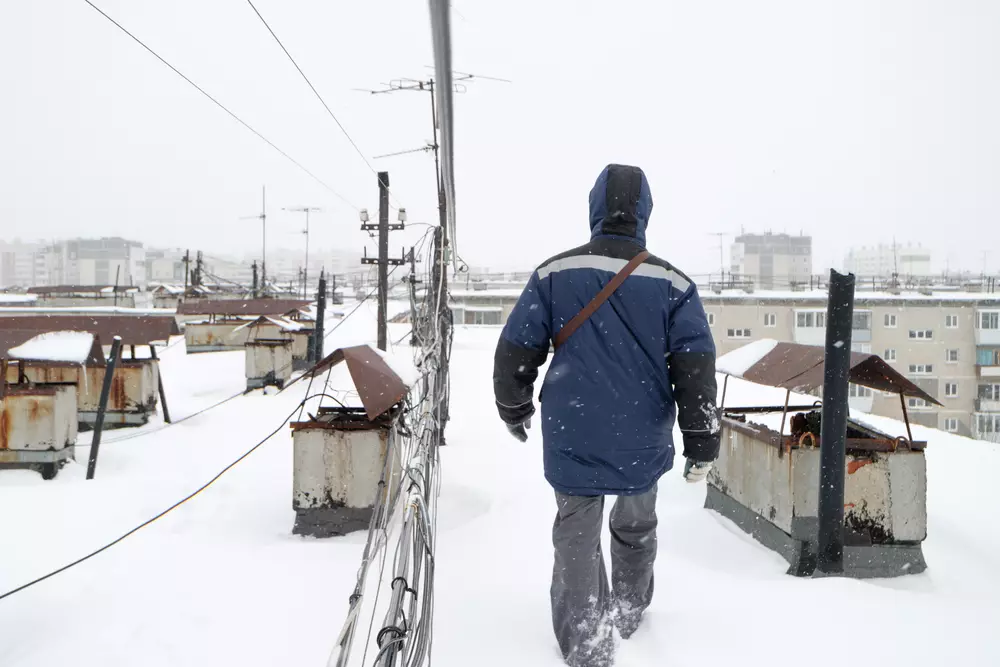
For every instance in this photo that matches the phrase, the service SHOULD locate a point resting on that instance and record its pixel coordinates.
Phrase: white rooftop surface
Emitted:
(221, 581)
(84, 310)
(860, 295)
(9, 299)
(58, 346)
(504, 293)
(740, 360)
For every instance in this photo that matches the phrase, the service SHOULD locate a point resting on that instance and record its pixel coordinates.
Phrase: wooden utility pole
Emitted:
(383, 261)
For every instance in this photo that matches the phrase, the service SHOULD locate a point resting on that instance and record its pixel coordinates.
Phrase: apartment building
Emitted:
(946, 343)
(772, 261)
(103, 261)
(883, 260)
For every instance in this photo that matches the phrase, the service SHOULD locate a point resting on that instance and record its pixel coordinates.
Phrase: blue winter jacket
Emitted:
(614, 389)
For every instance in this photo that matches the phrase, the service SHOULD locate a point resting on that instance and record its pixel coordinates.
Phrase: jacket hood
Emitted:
(620, 203)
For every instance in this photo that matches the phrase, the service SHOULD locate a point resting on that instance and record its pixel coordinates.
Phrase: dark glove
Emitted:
(696, 471)
(520, 431)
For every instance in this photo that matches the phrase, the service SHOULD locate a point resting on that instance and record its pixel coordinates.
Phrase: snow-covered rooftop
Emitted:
(277, 599)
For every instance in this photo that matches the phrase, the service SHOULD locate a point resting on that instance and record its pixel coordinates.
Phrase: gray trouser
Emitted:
(582, 604)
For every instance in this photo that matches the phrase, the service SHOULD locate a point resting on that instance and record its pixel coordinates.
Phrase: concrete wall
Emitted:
(884, 494)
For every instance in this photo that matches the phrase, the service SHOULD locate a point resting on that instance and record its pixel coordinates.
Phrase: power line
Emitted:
(312, 87)
(158, 516)
(222, 106)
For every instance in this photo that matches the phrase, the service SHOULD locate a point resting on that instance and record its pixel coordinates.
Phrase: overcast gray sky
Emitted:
(854, 121)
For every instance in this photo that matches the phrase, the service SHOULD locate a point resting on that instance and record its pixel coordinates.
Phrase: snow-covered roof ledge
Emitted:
(68, 347)
(740, 360)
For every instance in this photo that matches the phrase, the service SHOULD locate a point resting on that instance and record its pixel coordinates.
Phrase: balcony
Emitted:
(991, 371)
(987, 336)
(988, 327)
(986, 405)
(810, 327)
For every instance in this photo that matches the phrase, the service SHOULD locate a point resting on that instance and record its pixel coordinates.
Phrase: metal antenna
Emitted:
(305, 272)
(262, 216)
(428, 86)
(722, 261)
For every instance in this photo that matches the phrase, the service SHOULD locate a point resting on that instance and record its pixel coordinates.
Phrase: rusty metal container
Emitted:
(38, 427)
(215, 336)
(133, 397)
(338, 460)
(268, 362)
(769, 486)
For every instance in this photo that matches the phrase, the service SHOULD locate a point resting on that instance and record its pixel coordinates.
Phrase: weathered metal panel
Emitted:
(38, 418)
(244, 307)
(333, 468)
(215, 336)
(133, 329)
(800, 368)
(264, 359)
(379, 387)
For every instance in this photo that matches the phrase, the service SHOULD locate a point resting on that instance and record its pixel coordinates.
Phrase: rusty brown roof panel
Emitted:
(11, 338)
(234, 307)
(133, 329)
(377, 384)
(801, 367)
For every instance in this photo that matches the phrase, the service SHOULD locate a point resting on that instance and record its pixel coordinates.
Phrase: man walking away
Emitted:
(633, 351)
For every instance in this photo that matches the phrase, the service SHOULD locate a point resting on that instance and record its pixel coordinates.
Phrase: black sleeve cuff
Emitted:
(702, 447)
(516, 415)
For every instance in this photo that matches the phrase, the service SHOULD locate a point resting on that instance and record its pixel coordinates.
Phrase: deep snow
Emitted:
(221, 581)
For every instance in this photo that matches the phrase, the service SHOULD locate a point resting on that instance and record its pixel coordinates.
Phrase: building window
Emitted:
(921, 334)
(988, 424)
(921, 369)
(770, 320)
(862, 321)
(810, 320)
(989, 320)
(890, 354)
(986, 357)
(857, 391)
(738, 333)
(951, 389)
(951, 425)
(951, 356)
(989, 392)
(711, 319)
(890, 321)
(482, 318)
(918, 404)
(951, 321)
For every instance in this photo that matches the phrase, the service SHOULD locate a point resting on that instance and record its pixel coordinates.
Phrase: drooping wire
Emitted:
(312, 88)
(222, 106)
(158, 516)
